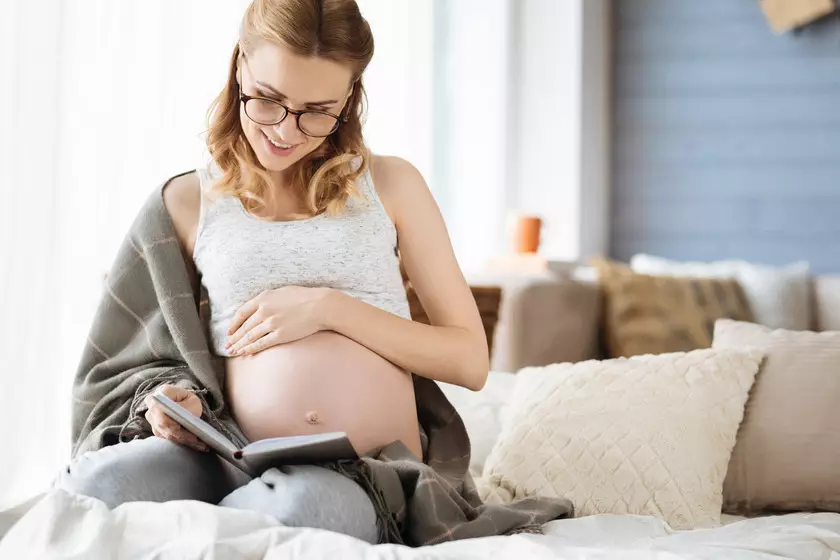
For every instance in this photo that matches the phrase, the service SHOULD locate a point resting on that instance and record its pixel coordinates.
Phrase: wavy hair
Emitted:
(331, 29)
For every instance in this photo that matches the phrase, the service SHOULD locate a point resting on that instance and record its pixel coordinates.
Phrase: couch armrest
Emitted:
(546, 321)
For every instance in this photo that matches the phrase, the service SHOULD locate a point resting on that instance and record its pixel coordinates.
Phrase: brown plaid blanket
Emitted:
(149, 330)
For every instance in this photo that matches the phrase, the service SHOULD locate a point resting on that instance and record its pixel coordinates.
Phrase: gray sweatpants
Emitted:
(158, 470)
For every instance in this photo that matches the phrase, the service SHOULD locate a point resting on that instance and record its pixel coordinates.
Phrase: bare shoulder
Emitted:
(391, 172)
(182, 198)
(398, 183)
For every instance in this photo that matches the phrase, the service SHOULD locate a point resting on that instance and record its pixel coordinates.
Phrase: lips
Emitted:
(278, 148)
(278, 144)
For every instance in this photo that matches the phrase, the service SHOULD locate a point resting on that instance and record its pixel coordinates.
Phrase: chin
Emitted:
(275, 163)
(272, 165)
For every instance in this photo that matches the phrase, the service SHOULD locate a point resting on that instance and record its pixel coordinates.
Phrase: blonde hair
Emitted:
(331, 29)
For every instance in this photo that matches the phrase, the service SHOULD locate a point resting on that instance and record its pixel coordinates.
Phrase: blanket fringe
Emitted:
(534, 529)
(388, 530)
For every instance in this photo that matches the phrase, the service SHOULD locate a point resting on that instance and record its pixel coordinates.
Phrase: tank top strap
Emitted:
(201, 172)
(365, 185)
(212, 205)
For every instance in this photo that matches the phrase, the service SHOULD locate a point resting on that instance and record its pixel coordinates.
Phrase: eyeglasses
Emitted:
(268, 112)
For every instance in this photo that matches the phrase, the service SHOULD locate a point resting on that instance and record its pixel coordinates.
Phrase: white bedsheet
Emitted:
(60, 525)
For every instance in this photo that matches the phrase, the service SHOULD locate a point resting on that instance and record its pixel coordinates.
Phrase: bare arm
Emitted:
(453, 348)
(182, 198)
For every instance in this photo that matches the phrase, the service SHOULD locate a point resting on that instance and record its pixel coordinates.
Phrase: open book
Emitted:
(260, 455)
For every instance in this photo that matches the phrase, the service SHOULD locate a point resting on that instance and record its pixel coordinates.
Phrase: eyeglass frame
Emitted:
(339, 119)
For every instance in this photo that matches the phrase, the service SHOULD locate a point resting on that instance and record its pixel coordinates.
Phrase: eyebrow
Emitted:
(265, 87)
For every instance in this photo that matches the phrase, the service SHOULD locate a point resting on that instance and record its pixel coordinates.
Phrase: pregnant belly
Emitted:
(323, 383)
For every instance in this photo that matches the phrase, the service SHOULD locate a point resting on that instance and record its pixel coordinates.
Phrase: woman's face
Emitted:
(299, 83)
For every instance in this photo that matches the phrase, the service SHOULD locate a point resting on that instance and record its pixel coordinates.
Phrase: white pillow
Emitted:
(780, 298)
(482, 412)
(646, 435)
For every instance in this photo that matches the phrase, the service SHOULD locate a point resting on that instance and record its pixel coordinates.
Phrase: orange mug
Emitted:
(526, 234)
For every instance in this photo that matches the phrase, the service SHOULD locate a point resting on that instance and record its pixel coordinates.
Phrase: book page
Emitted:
(290, 442)
(296, 450)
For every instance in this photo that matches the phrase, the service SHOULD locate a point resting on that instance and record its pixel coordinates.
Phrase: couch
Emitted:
(555, 317)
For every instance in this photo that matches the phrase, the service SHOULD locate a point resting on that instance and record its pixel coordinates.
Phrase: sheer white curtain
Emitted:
(442, 94)
(101, 100)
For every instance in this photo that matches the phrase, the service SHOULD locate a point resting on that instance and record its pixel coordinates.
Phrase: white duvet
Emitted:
(60, 525)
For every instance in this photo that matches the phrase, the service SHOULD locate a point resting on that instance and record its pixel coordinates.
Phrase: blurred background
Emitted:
(690, 130)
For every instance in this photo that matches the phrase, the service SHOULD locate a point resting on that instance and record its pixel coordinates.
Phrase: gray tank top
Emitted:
(239, 255)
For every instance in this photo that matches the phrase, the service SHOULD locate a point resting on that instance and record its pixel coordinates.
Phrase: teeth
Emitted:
(279, 145)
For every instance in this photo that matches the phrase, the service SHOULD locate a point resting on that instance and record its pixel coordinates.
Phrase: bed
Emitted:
(55, 524)
(59, 525)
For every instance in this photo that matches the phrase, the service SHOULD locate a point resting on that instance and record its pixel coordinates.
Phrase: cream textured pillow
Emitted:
(778, 297)
(648, 435)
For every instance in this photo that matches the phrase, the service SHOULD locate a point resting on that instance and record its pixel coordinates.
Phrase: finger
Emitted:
(187, 438)
(252, 335)
(159, 419)
(162, 420)
(250, 323)
(165, 434)
(243, 330)
(247, 309)
(178, 434)
(184, 438)
(267, 341)
(164, 426)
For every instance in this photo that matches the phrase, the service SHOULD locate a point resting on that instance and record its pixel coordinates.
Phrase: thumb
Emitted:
(184, 397)
(193, 404)
(177, 394)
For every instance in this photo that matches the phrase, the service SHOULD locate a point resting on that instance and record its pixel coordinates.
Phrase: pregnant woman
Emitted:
(296, 232)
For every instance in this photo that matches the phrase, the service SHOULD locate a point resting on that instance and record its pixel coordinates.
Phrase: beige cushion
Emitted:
(787, 456)
(778, 297)
(660, 314)
(827, 302)
(648, 435)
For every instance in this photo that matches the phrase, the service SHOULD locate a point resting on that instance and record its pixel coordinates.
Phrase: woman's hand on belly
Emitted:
(276, 317)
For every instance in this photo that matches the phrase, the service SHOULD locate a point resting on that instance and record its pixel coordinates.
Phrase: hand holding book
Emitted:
(165, 427)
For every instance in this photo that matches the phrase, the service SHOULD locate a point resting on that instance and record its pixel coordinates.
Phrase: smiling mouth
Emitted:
(278, 144)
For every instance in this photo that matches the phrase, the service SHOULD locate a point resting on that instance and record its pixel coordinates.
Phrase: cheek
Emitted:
(254, 135)
(311, 145)
(251, 130)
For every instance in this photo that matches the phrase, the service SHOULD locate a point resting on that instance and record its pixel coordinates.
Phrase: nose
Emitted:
(288, 130)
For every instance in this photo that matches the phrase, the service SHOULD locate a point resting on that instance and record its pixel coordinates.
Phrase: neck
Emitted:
(280, 198)
(280, 180)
